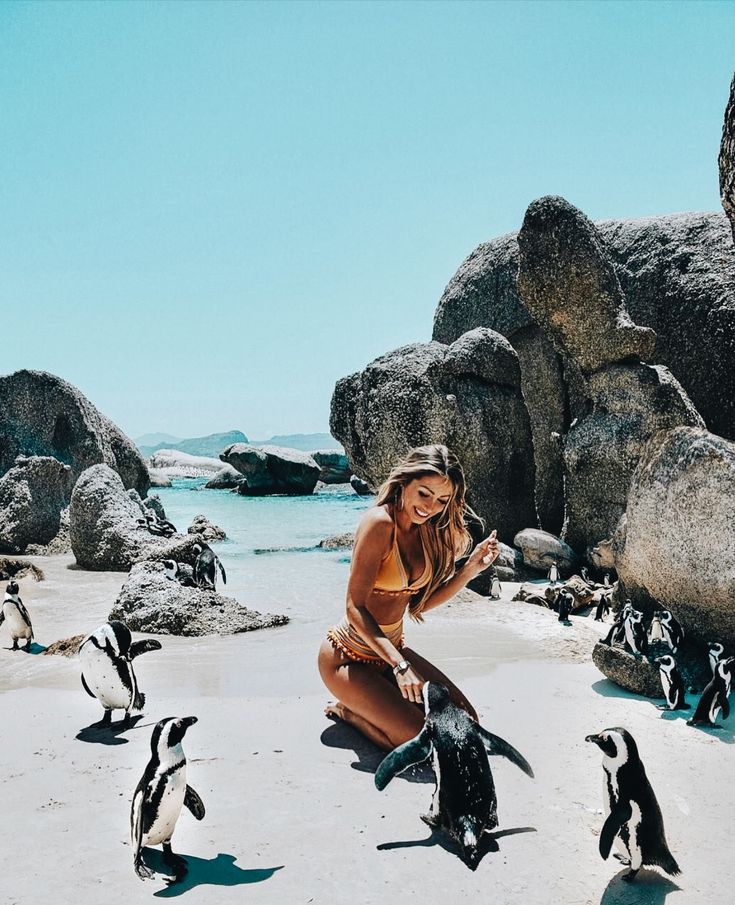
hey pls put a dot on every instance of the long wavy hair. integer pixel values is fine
(445, 535)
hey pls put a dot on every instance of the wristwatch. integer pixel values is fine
(401, 667)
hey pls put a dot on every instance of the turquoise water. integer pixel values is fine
(306, 584)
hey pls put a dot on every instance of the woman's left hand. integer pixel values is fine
(484, 554)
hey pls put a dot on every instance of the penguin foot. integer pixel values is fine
(104, 722)
(663, 707)
(126, 721)
(142, 870)
(177, 864)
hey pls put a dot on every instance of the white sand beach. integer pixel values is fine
(293, 815)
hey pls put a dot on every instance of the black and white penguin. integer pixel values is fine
(464, 803)
(716, 653)
(633, 817)
(495, 590)
(159, 527)
(603, 606)
(715, 696)
(564, 603)
(553, 573)
(176, 571)
(635, 636)
(671, 631)
(672, 684)
(107, 669)
(617, 629)
(606, 580)
(205, 567)
(160, 795)
(16, 615)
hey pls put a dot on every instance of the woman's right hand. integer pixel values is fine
(410, 684)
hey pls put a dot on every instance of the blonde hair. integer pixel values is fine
(445, 535)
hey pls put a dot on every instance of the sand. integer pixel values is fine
(292, 812)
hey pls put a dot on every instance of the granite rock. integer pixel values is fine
(727, 160)
(150, 602)
(272, 469)
(32, 495)
(334, 466)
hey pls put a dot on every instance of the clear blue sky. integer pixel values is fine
(210, 212)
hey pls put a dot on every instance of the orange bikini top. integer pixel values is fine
(393, 578)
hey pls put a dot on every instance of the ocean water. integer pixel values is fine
(293, 577)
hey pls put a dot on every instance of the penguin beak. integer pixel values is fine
(188, 721)
(593, 738)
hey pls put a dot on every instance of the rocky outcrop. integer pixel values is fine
(642, 675)
(153, 502)
(32, 494)
(61, 543)
(335, 469)
(361, 488)
(204, 528)
(159, 478)
(677, 274)
(105, 530)
(467, 396)
(150, 602)
(19, 568)
(678, 543)
(272, 469)
(541, 549)
(176, 464)
(338, 542)
(727, 160)
(629, 404)
(567, 282)
(42, 415)
(227, 478)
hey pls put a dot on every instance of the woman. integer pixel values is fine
(404, 558)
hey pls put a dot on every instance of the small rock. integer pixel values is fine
(202, 525)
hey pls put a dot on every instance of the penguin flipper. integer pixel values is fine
(24, 614)
(86, 688)
(404, 756)
(194, 803)
(222, 570)
(141, 647)
(725, 708)
(496, 745)
(136, 834)
(619, 815)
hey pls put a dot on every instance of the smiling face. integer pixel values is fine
(426, 497)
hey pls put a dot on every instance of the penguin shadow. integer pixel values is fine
(608, 689)
(35, 649)
(488, 842)
(369, 756)
(219, 871)
(648, 888)
(107, 735)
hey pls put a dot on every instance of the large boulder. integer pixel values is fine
(541, 549)
(42, 415)
(727, 159)
(272, 469)
(173, 463)
(467, 396)
(567, 282)
(677, 546)
(151, 602)
(335, 468)
(105, 530)
(227, 478)
(204, 528)
(629, 403)
(677, 274)
(32, 495)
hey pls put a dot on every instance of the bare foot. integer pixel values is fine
(335, 711)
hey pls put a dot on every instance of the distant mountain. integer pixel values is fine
(155, 439)
(210, 446)
(304, 442)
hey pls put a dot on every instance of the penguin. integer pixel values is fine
(672, 684)
(716, 653)
(635, 637)
(107, 670)
(633, 817)
(715, 696)
(603, 607)
(494, 585)
(159, 527)
(606, 580)
(564, 603)
(160, 795)
(655, 632)
(553, 573)
(585, 575)
(617, 629)
(19, 622)
(464, 803)
(176, 571)
(205, 567)
(671, 630)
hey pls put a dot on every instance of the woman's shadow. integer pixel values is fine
(219, 871)
(369, 756)
(648, 888)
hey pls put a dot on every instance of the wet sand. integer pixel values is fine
(292, 811)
